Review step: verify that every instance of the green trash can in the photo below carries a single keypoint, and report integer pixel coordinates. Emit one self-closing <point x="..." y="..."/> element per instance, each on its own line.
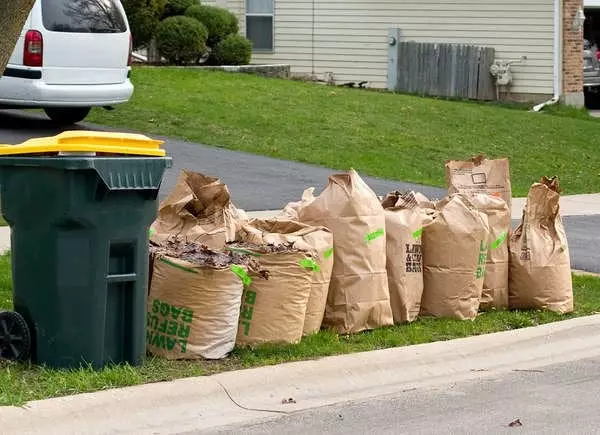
<point x="80" y="246"/>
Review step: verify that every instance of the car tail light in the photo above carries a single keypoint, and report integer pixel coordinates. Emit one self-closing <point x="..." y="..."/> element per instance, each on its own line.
<point x="130" y="50"/>
<point x="598" y="55"/>
<point x="33" y="53"/>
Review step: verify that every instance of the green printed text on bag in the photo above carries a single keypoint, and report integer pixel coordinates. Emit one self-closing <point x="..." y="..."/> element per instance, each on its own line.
<point x="309" y="264"/>
<point x="328" y="253"/>
<point x="496" y="243"/>
<point x="483" y="252"/>
<point x="374" y="235"/>
<point x="248" y="301"/>
<point x="168" y="325"/>
<point x="241" y="273"/>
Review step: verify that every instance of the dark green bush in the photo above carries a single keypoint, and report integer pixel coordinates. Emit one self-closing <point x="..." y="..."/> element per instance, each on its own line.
<point x="233" y="50"/>
<point x="143" y="26"/>
<point x="144" y="16"/>
<point x="219" y="22"/>
<point x="178" y="7"/>
<point x="181" y="39"/>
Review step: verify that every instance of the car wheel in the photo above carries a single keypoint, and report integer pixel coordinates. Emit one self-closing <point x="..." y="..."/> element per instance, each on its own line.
<point x="66" y="116"/>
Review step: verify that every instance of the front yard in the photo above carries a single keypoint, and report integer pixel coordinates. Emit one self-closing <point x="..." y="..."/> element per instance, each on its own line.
<point x="20" y="383"/>
<point x="382" y="134"/>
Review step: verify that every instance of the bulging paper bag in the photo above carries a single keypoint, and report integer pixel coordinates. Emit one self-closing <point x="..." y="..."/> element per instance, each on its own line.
<point x="198" y="210"/>
<point x="495" y="283"/>
<point x="358" y="294"/>
<point x="290" y="211"/>
<point x="454" y="259"/>
<point x="318" y="240"/>
<point x="404" y="222"/>
<point x="193" y="309"/>
<point x="480" y="175"/>
<point x="274" y="304"/>
<point x="540" y="268"/>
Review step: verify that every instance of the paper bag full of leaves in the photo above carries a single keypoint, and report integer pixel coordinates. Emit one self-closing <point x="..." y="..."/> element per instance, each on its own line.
<point x="404" y="222"/>
<point x="495" y="283"/>
<point x="358" y="294"/>
<point x="194" y="304"/>
<point x="480" y="175"/>
<point x="318" y="240"/>
<point x="199" y="210"/>
<point x="540" y="268"/>
<point x="454" y="258"/>
<point x="274" y="304"/>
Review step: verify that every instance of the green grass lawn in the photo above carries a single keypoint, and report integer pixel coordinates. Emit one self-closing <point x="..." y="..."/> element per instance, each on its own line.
<point x="378" y="133"/>
<point x="20" y="383"/>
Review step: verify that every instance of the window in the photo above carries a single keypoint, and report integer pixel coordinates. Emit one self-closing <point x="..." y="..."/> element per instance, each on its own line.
<point x="83" y="16"/>
<point x="259" y="23"/>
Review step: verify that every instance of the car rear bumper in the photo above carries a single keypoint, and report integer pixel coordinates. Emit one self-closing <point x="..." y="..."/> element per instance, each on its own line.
<point x="591" y="80"/>
<point x="30" y="92"/>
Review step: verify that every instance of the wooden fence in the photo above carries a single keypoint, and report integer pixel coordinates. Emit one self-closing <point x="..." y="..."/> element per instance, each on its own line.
<point x="443" y="70"/>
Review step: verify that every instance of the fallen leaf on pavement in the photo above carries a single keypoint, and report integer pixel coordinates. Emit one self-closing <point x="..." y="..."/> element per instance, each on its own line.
<point x="515" y="423"/>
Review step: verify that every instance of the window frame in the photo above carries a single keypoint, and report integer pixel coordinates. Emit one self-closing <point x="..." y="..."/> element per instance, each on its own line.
<point x="269" y="15"/>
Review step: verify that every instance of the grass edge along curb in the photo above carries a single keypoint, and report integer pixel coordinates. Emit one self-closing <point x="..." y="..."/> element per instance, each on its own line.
<point x="20" y="383"/>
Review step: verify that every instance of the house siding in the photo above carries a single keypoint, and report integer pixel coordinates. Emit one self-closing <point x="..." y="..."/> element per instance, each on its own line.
<point x="349" y="37"/>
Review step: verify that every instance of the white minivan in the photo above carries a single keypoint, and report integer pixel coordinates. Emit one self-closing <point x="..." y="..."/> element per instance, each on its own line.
<point x="71" y="56"/>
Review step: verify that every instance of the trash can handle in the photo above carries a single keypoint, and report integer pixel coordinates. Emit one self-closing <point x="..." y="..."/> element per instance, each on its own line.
<point x="131" y="174"/>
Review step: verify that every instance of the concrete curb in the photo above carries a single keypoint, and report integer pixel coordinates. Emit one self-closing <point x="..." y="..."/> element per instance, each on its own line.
<point x="249" y="395"/>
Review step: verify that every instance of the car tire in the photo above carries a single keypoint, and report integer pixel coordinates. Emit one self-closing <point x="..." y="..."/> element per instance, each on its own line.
<point x="67" y="116"/>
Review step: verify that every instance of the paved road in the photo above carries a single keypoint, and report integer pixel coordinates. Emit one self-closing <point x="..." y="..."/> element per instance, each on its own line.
<point x="560" y="399"/>
<point x="256" y="182"/>
<point x="261" y="183"/>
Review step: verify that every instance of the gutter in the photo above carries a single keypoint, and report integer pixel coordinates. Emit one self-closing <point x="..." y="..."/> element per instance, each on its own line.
<point x="557" y="59"/>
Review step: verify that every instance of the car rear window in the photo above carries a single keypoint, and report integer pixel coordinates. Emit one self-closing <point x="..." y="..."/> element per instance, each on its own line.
<point x="83" y="16"/>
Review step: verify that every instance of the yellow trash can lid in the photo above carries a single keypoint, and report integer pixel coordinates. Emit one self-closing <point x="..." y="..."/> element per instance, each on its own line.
<point x="88" y="142"/>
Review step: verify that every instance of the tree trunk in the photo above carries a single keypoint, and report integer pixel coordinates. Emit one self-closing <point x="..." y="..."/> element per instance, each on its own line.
<point x="13" y="14"/>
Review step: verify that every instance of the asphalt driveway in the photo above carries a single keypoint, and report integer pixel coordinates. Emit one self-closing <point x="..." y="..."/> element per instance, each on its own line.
<point x="263" y="183"/>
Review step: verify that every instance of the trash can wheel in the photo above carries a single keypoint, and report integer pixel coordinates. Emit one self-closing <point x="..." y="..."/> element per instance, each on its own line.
<point x="15" y="339"/>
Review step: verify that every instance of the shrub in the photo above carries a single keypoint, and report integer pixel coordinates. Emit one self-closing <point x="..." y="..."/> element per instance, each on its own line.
<point x="219" y="22"/>
<point x="144" y="16"/>
<point x="181" y="39"/>
<point x="143" y="25"/>
<point x="233" y="50"/>
<point x="178" y="7"/>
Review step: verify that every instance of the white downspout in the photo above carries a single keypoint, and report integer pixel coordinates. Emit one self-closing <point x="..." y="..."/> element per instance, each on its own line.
<point x="557" y="59"/>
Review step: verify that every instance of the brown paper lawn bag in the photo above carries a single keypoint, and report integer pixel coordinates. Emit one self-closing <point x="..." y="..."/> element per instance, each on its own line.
<point x="480" y="175"/>
<point x="495" y="283"/>
<point x="274" y="304"/>
<point x="199" y="210"/>
<point x="318" y="240"/>
<point x="404" y="223"/>
<point x="358" y="294"/>
<point x="540" y="268"/>
<point x="454" y="259"/>
<point x="193" y="309"/>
